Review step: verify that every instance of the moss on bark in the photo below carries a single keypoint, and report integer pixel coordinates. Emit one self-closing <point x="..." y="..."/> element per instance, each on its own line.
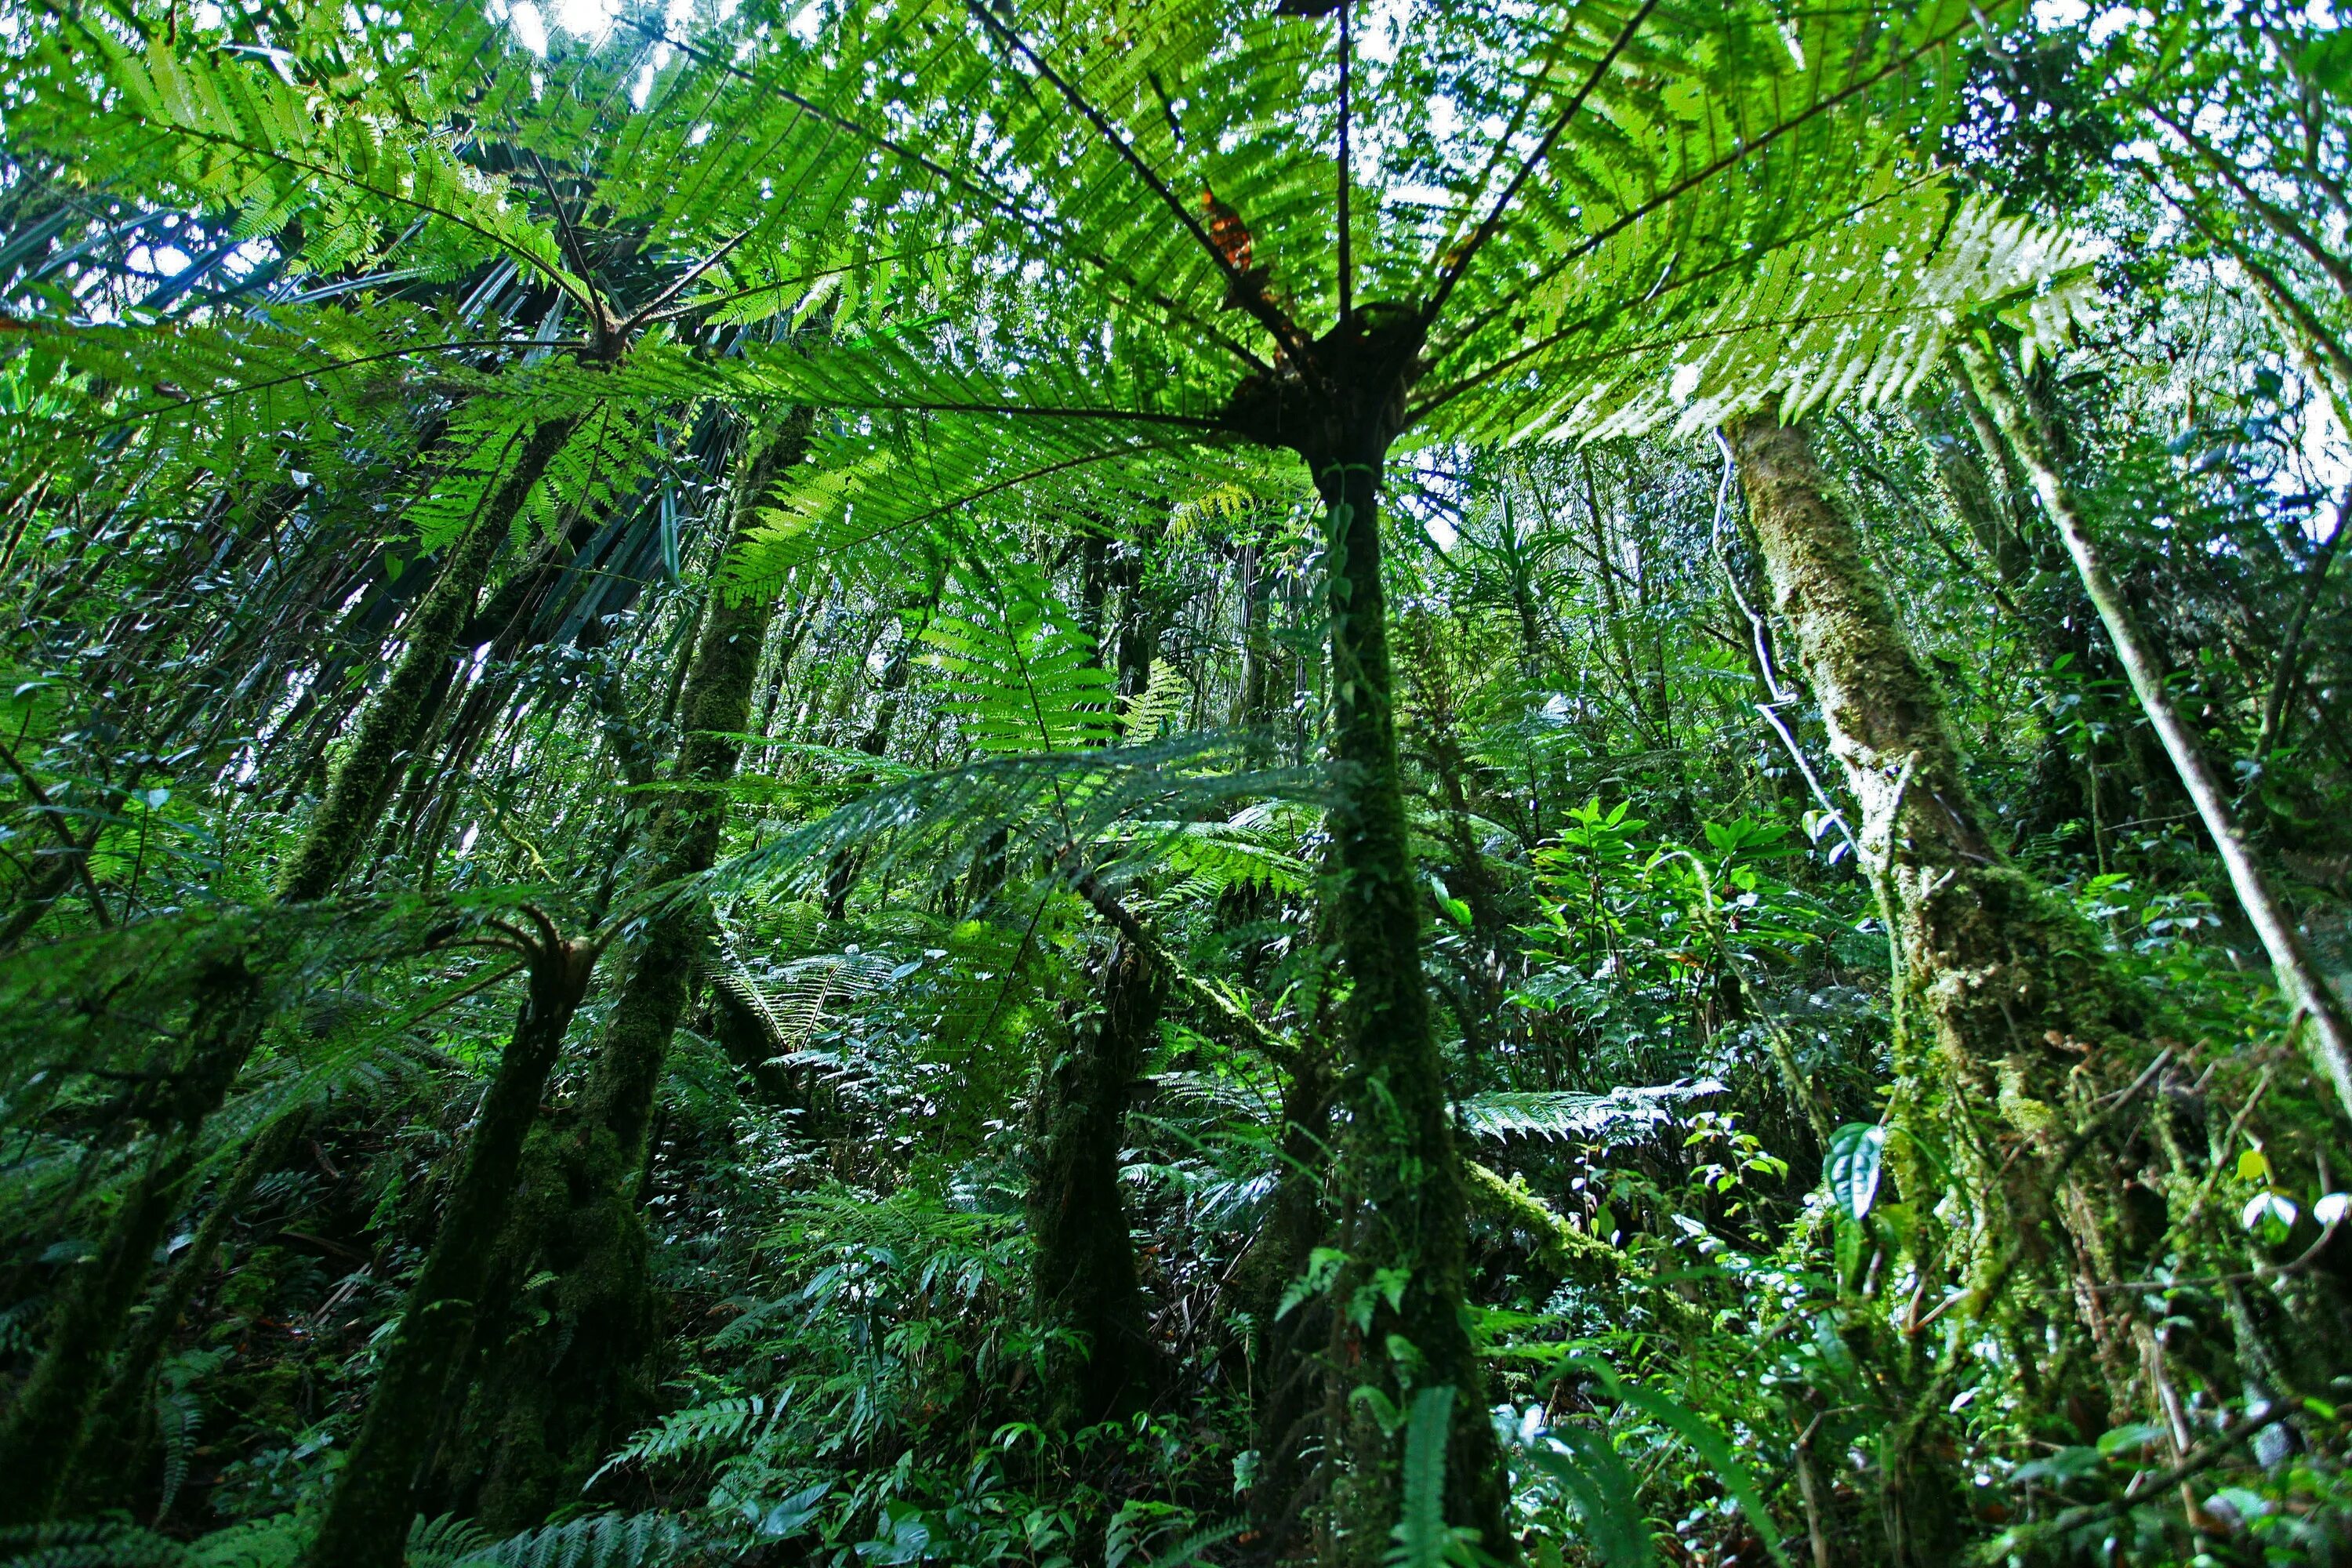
<point x="1403" y="1222"/>
<point x="553" y="1400"/>
<point x="1399" y="1324"/>
<point x="2012" y="1025"/>
<point x="368" y="1515"/>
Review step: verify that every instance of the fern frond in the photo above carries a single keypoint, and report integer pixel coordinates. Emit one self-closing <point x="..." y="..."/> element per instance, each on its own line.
<point x="601" y="1540"/>
<point x="691" y="1431"/>
<point x="1021" y="677"/>
<point x="1154" y="710"/>
<point x="79" y="1544"/>
<point x="935" y="824"/>
<point x="1620" y="1114"/>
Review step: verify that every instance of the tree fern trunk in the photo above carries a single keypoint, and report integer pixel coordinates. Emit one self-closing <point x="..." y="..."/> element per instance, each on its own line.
<point x="1403" y="1216"/>
<point x="46" y="1429"/>
<point x="368" y="1517"/>
<point x="554" y="1401"/>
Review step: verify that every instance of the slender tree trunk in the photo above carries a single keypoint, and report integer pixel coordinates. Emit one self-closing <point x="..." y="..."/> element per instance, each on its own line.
<point x="2009" y="1022"/>
<point x="368" y="1517"/>
<point x="841" y="875"/>
<point x="2331" y="1028"/>
<point x="553" y="1400"/>
<point x="46" y="1427"/>
<point x="2289" y="673"/>
<point x="1084" y="1271"/>
<point x="1403" y="1216"/>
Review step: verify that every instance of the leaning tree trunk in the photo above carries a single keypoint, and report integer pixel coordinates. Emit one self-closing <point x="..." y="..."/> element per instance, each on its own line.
<point x="368" y="1517"/>
<point x="2010" y="1026"/>
<point x="2331" y="1027"/>
<point x="46" y="1429"/>
<point x="554" y="1400"/>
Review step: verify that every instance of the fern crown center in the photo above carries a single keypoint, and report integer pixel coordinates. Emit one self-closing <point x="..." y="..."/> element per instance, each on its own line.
<point x="1348" y="396"/>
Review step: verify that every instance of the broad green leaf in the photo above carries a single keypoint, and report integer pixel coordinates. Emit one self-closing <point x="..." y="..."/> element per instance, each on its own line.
<point x="1855" y="1155"/>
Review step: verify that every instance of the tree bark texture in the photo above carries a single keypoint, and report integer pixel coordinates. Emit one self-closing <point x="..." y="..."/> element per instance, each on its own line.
<point x="1398" y="1323"/>
<point x="553" y="1400"/>
<point x="2009" y="1025"/>
<point x="1084" y="1272"/>
<point x="368" y="1515"/>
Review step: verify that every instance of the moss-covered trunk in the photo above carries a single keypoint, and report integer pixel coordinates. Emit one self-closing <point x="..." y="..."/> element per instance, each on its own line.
<point x="553" y="1400"/>
<point x="1403" y="1222"/>
<point x="1083" y="1269"/>
<point x="46" y="1427"/>
<point x="2011" y="1026"/>
<point x="368" y="1515"/>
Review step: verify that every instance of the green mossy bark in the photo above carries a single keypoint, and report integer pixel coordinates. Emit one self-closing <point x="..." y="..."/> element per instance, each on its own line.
<point x="554" y="1400"/>
<point x="368" y="1517"/>
<point x="1402" y="1206"/>
<point x="1401" y="1219"/>
<point x="2014" y="1023"/>
<point x="1083" y="1269"/>
<point x="46" y="1427"/>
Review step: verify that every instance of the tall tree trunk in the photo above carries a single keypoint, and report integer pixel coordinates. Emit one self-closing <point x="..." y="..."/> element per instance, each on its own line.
<point x="46" y="1427"/>
<point x="841" y="874"/>
<point x="2299" y="977"/>
<point x="553" y="1400"/>
<point x="1403" y="1216"/>
<point x="1083" y="1270"/>
<point x="368" y="1515"/>
<point x="2009" y="1025"/>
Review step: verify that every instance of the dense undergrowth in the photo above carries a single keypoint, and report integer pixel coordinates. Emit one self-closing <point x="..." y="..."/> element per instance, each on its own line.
<point x="710" y="857"/>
